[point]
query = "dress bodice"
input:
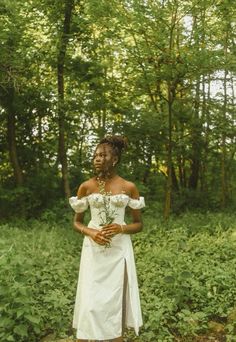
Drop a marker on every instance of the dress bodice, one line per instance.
(106, 208)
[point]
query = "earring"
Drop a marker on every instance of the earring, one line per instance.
(113, 164)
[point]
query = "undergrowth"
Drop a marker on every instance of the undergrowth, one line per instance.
(186, 271)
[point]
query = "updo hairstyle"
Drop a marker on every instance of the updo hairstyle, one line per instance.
(117, 143)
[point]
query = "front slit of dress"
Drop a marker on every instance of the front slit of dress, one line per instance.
(125, 283)
(124, 298)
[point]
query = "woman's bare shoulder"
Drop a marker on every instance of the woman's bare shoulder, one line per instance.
(86, 187)
(130, 188)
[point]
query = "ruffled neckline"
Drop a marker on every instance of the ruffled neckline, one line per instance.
(95, 199)
(108, 195)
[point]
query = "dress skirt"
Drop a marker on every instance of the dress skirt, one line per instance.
(100, 307)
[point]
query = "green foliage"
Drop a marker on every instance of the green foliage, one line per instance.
(185, 270)
(41, 191)
(188, 199)
(189, 280)
(16, 202)
(38, 279)
(116, 80)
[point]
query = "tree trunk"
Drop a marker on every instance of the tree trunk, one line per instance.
(69, 5)
(196, 132)
(206, 113)
(174, 179)
(180, 171)
(223, 141)
(231, 157)
(11, 137)
(169, 157)
(39, 156)
(171, 95)
(148, 167)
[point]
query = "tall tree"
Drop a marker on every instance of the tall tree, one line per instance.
(12, 30)
(63, 42)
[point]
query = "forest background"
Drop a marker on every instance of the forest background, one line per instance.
(161, 73)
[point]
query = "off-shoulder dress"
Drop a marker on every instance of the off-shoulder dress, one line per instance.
(106, 274)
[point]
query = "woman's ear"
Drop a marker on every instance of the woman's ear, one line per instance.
(115, 161)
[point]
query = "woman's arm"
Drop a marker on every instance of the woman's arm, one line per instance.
(137, 224)
(79, 217)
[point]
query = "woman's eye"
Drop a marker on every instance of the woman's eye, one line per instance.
(99, 155)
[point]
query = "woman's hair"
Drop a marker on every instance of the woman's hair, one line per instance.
(117, 143)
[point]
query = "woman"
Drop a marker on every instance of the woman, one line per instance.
(107, 298)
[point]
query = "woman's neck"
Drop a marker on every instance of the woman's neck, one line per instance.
(106, 176)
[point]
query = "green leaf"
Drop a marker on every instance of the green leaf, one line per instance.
(33, 319)
(37, 330)
(169, 279)
(186, 274)
(20, 313)
(6, 322)
(10, 338)
(21, 330)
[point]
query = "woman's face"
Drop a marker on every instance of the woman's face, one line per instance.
(103, 159)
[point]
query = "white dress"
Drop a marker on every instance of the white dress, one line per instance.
(98, 312)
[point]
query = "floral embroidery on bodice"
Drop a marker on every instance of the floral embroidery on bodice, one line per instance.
(116, 203)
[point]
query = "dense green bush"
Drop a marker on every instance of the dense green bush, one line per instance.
(41, 191)
(185, 268)
(16, 202)
(190, 279)
(38, 271)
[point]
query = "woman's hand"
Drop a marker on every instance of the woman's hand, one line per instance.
(112, 229)
(99, 237)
